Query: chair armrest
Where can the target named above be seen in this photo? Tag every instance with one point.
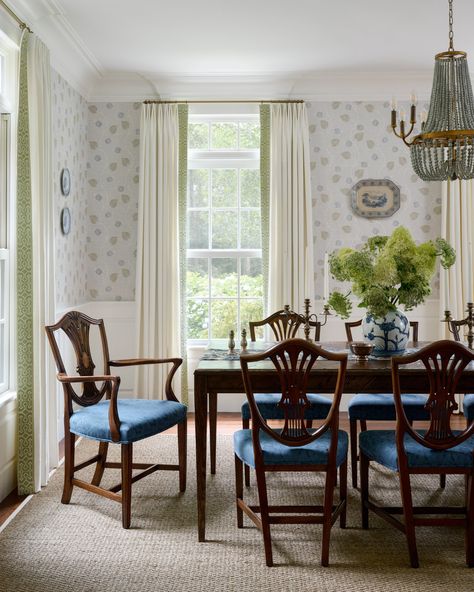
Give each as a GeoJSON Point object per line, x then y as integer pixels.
{"type": "Point", "coordinates": [114, 420]}
{"type": "Point", "coordinates": [143, 361]}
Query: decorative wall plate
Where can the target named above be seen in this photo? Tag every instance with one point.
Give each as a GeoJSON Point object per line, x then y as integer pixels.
{"type": "Point", "coordinates": [65, 182]}
{"type": "Point", "coordinates": [65, 220]}
{"type": "Point", "coordinates": [375, 198]}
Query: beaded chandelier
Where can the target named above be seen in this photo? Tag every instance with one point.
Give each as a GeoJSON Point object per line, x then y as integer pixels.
{"type": "Point", "coordinates": [445, 147]}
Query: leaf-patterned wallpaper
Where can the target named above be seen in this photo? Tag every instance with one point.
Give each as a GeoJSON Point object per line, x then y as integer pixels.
{"type": "Point", "coordinates": [113, 139]}
{"type": "Point", "coordinates": [350, 141]}
{"type": "Point", "coordinates": [70, 118]}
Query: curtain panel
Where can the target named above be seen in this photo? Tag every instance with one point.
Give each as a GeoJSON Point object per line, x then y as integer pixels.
{"type": "Point", "coordinates": [457, 222]}
{"type": "Point", "coordinates": [36, 382]}
{"type": "Point", "coordinates": [161, 246]}
{"type": "Point", "coordinates": [290, 254]}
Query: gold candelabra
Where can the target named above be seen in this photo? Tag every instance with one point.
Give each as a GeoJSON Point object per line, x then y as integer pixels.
{"type": "Point", "coordinates": [307, 317]}
{"type": "Point", "coordinates": [469, 321]}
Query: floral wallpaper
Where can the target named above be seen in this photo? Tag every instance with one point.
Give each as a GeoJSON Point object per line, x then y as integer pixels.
{"type": "Point", "coordinates": [70, 150]}
{"type": "Point", "coordinates": [350, 141]}
{"type": "Point", "coordinates": [113, 140]}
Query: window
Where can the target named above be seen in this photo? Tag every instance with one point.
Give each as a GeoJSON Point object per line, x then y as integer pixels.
{"type": "Point", "coordinates": [224, 257]}
{"type": "Point", "coordinates": [4, 254]}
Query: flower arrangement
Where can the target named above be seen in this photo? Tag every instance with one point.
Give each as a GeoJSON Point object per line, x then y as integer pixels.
{"type": "Point", "coordinates": [388, 271]}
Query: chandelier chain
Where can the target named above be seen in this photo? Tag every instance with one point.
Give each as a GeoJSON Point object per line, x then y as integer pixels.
{"type": "Point", "coordinates": [451, 34]}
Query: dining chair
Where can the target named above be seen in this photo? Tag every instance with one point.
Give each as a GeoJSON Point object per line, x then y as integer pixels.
{"type": "Point", "coordinates": [365, 407]}
{"type": "Point", "coordinates": [468, 400]}
{"type": "Point", "coordinates": [437, 450]}
{"type": "Point", "coordinates": [284, 325]}
{"type": "Point", "coordinates": [96, 413]}
{"type": "Point", "coordinates": [294, 447]}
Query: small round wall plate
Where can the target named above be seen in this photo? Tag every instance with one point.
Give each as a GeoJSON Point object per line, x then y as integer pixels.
{"type": "Point", "coordinates": [65, 182]}
{"type": "Point", "coordinates": [65, 220]}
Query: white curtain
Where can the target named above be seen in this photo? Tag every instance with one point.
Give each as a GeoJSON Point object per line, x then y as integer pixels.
{"type": "Point", "coordinates": [158, 271]}
{"type": "Point", "coordinates": [290, 265]}
{"type": "Point", "coordinates": [38, 452]}
{"type": "Point", "coordinates": [457, 222]}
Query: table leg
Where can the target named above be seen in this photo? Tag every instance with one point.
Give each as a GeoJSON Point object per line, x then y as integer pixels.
{"type": "Point", "coordinates": [213, 429]}
{"type": "Point", "coordinates": [200, 407]}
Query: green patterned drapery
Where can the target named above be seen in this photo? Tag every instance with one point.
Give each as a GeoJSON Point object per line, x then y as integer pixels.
{"type": "Point", "coordinates": [182, 196]}
{"type": "Point", "coordinates": [24, 273]}
{"type": "Point", "coordinates": [265, 116]}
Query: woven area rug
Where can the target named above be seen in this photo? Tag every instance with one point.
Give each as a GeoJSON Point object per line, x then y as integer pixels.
{"type": "Point", "coordinates": [50, 547]}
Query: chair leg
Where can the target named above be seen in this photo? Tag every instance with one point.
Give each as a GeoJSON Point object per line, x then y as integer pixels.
{"type": "Point", "coordinates": [364, 489]}
{"type": "Point", "coordinates": [213, 430]}
{"type": "Point", "coordinates": [309, 424]}
{"type": "Point", "coordinates": [263, 501]}
{"type": "Point", "coordinates": [327, 514]}
{"type": "Point", "coordinates": [470, 520]}
{"type": "Point", "coordinates": [343, 492]}
{"type": "Point", "coordinates": [182, 453]}
{"type": "Point", "coordinates": [100, 466]}
{"type": "Point", "coordinates": [239, 490]}
{"type": "Point", "coordinates": [442, 481]}
{"type": "Point", "coordinates": [246, 426]}
{"type": "Point", "coordinates": [127, 459]}
{"type": "Point", "coordinates": [407, 502]}
{"type": "Point", "coordinates": [69, 448]}
{"type": "Point", "coordinates": [353, 438]}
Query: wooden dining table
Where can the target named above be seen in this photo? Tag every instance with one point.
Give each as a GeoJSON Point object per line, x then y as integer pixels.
{"type": "Point", "coordinates": [222, 376]}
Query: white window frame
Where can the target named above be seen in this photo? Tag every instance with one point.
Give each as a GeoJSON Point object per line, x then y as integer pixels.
{"type": "Point", "coordinates": [226, 159]}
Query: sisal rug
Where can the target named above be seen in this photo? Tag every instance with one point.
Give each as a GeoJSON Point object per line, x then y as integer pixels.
{"type": "Point", "coordinates": [50, 547]}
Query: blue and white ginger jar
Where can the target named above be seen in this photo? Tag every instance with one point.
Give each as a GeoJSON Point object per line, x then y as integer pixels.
{"type": "Point", "coordinates": [389, 334]}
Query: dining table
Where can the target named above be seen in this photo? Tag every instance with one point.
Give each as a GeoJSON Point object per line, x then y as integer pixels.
{"type": "Point", "coordinates": [219, 373]}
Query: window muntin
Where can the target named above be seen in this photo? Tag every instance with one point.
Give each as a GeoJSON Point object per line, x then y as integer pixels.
{"type": "Point", "coordinates": [224, 266]}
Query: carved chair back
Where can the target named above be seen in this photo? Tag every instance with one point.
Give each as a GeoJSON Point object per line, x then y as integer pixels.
{"type": "Point", "coordinates": [455, 327]}
{"type": "Point", "coordinates": [77, 327]}
{"type": "Point", "coordinates": [444, 362]}
{"type": "Point", "coordinates": [284, 325]}
{"type": "Point", "coordinates": [293, 360]}
{"type": "Point", "coordinates": [350, 325]}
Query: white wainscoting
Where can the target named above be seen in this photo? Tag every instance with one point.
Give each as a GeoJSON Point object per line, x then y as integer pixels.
{"type": "Point", "coordinates": [8, 445]}
{"type": "Point", "coordinates": [119, 320]}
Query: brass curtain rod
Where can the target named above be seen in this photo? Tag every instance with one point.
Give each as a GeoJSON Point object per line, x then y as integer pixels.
{"type": "Point", "coordinates": [15, 17]}
{"type": "Point", "coordinates": [151, 101]}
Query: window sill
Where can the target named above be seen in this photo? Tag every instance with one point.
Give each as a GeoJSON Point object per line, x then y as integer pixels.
{"type": "Point", "coordinates": [7, 397]}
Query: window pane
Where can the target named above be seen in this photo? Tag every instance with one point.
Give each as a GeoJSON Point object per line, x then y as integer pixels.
{"type": "Point", "coordinates": [223, 136]}
{"type": "Point", "coordinates": [198, 230]}
{"type": "Point", "coordinates": [224, 229]}
{"type": "Point", "coordinates": [197, 277]}
{"type": "Point", "coordinates": [198, 319]}
{"type": "Point", "coordinates": [251, 277]}
{"type": "Point", "coordinates": [249, 135]}
{"type": "Point", "coordinates": [2, 355]}
{"type": "Point", "coordinates": [250, 188]}
{"type": "Point", "coordinates": [251, 310]}
{"type": "Point", "coordinates": [224, 188]}
{"type": "Point", "coordinates": [224, 318]}
{"type": "Point", "coordinates": [224, 277]}
{"type": "Point", "coordinates": [250, 234]}
{"type": "Point", "coordinates": [198, 136]}
{"type": "Point", "coordinates": [198, 180]}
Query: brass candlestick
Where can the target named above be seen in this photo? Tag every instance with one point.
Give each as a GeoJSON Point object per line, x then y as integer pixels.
{"type": "Point", "coordinates": [469, 321]}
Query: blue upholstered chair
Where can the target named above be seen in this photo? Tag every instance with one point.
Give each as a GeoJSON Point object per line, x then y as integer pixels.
{"type": "Point", "coordinates": [379, 407]}
{"type": "Point", "coordinates": [437, 450]}
{"type": "Point", "coordinates": [284, 325]}
{"type": "Point", "coordinates": [468, 402]}
{"type": "Point", "coordinates": [295, 447]}
{"type": "Point", "coordinates": [101, 416]}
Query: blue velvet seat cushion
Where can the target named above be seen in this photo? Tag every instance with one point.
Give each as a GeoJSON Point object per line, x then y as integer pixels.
{"type": "Point", "coordinates": [380, 446]}
{"type": "Point", "coordinates": [140, 418]}
{"type": "Point", "coordinates": [382, 407]}
{"type": "Point", "coordinates": [268, 406]}
{"type": "Point", "coordinates": [468, 407]}
{"type": "Point", "coordinates": [275, 453]}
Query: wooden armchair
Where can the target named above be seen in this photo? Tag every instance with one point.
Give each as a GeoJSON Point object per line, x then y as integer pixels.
{"type": "Point", "coordinates": [112, 420]}
{"type": "Point", "coordinates": [468, 401]}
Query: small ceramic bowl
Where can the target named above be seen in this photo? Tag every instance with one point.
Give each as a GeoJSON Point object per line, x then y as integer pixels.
{"type": "Point", "coordinates": [361, 349]}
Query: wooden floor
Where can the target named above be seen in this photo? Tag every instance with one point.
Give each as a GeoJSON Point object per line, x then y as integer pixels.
{"type": "Point", "coordinates": [227, 424]}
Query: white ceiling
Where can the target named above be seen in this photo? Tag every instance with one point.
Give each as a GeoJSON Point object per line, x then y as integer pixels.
{"type": "Point", "coordinates": [166, 46]}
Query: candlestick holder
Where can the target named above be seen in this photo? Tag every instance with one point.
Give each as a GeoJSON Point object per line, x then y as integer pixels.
{"type": "Point", "coordinates": [468, 320]}
{"type": "Point", "coordinates": [307, 317]}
